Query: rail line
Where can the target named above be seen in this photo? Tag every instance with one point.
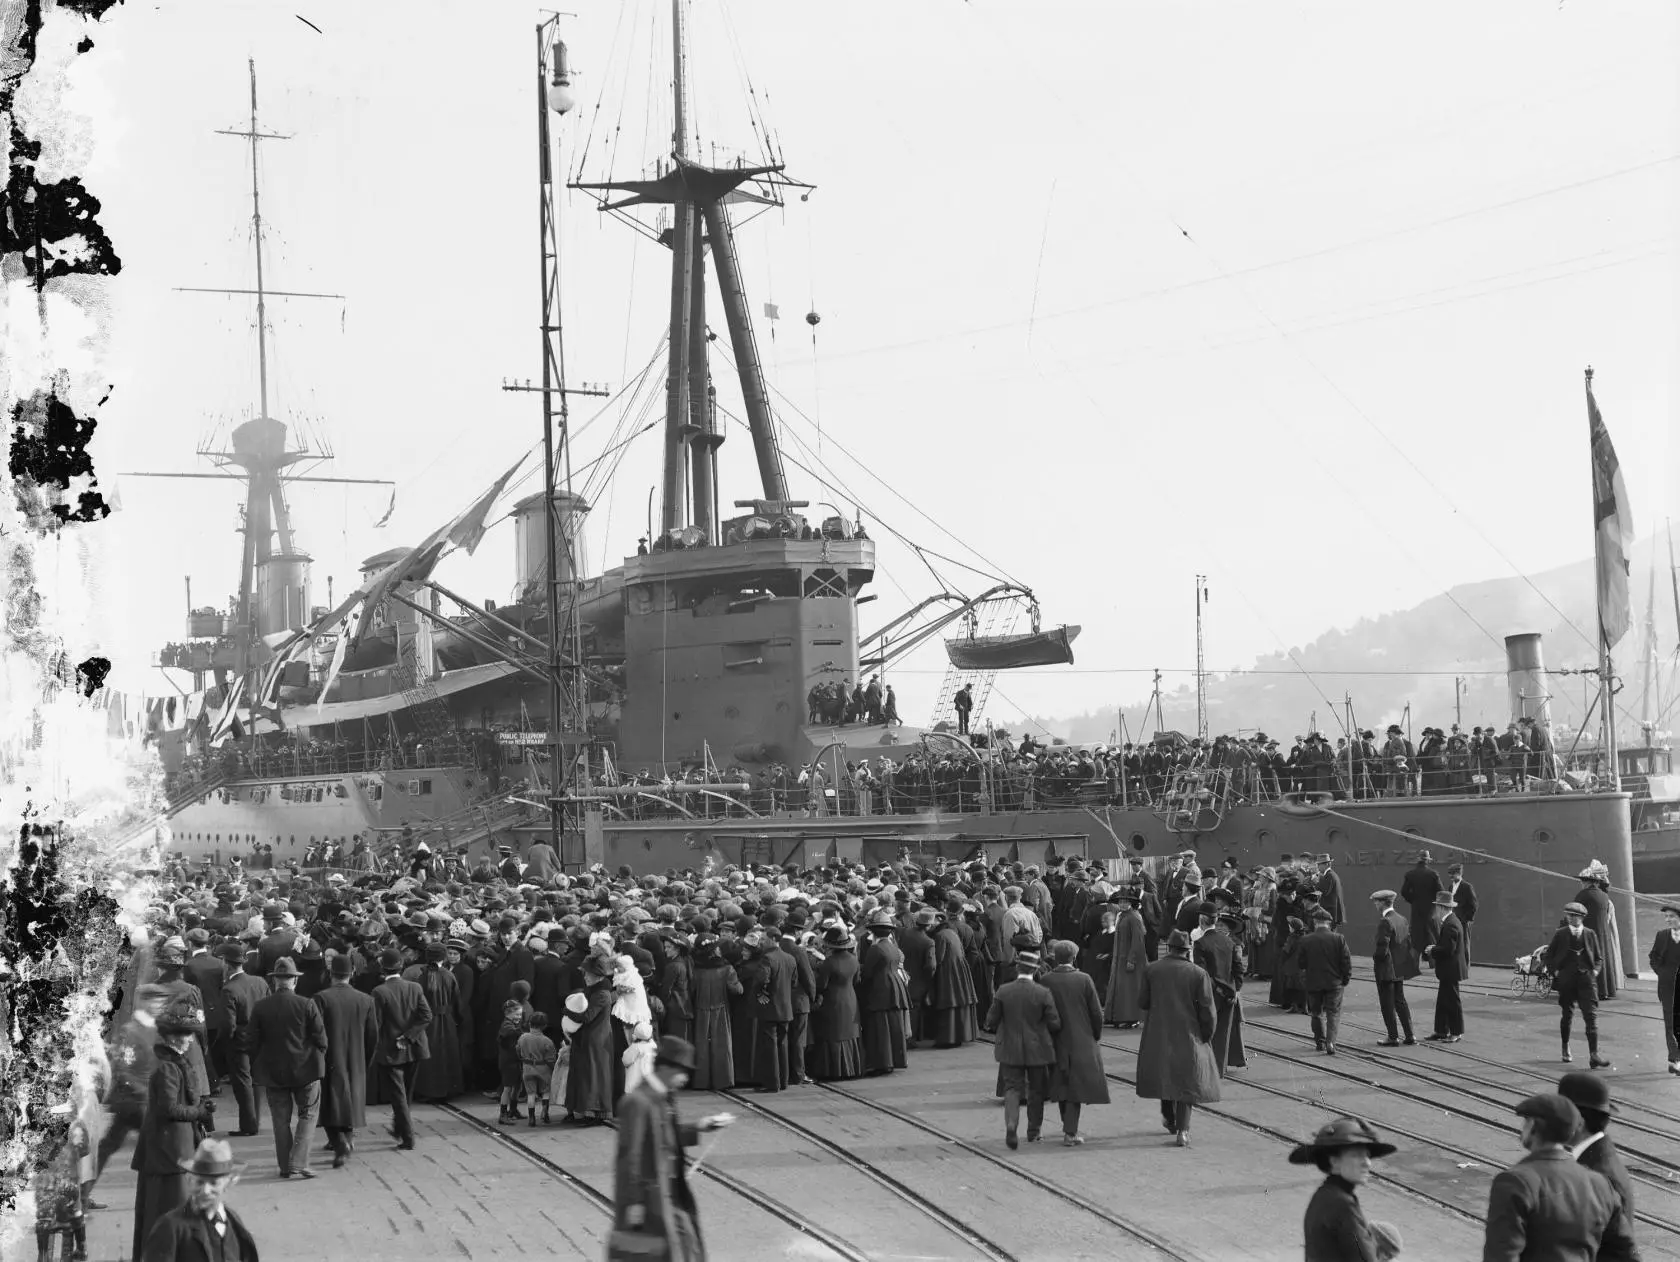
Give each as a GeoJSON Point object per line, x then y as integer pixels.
{"type": "Point", "coordinates": [1405, 1133]}
{"type": "Point", "coordinates": [1664, 1177]}
{"type": "Point", "coordinates": [1141, 1234]}
{"type": "Point", "coordinates": [1488, 990]}
{"type": "Point", "coordinates": [1412, 1069]}
{"type": "Point", "coordinates": [1457, 1051]}
{"type": "Point", "coordinates": [895, 1187]}
{"type": "Point", "coordinates": [1272, 1132]}
{"type": "Point", "coordinates": [837, 1244]}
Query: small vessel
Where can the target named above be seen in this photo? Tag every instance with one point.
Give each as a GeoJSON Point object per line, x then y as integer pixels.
{"type": "Point", "coordinates": [1012, 652]}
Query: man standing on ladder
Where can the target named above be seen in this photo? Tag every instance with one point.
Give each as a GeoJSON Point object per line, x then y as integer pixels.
{"type": "Point", "coordinates": [964, 701]}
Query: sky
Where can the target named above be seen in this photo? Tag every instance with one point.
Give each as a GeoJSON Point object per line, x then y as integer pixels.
{"type": "Point", "coordinates": [1296, 296]}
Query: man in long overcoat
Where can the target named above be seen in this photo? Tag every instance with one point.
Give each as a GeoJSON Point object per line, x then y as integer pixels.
{"type": "Point", "coordinates": [1077, 1078]}
{"type": "Point", "coordinates": [241, 993]}
{"type": "Point", "coordinates": [1175, 1056]}
{"type": "Point", "coordinates": [352, 1034]}
{"type": "Point", "coordinates": [1130, 956]}
{"type": "Point", "coordinates": [443, 1073]}
{"type": "Point", "coordinates": [1024, 1016]}
{"type": "Point", "coordinates": [652, 1201]}
{"type": "Point", "coordinates": [511, 961]}
{"type": "Point", "coordinates": [1218, 953]}
{"type": "Point", "coordinates": [1418, 890]}
{"type": "Point", "coordinates": [920, 960]}
{"type": "Point", "coordinates": [404, 1018]}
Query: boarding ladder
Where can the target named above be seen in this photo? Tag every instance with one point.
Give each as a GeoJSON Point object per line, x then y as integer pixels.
{"type": "Point", "coordinates": [1196, 799]}
{"type": "Point", "coordinates": [994, 617]}
{"type": "Point", "coordinates": [431, 716]}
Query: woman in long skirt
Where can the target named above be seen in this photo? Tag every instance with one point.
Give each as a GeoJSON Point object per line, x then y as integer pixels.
{"type": "Point", "coordinates": [1126, 965]}
{"type": "Point", "coordinates": [836, 1030]}
{"type": "Point", "coordinates": [714, 982]}
{"type": "Point", "coordinates": [951, 999]}
{"type": "Point", "coordinates": [589, 1083]}
{"type": "Point", "coordinates": [884, 1000]}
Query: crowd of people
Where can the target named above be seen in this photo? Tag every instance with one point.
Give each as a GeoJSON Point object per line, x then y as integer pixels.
{"type": "Point", "coordinates": [316, 994]}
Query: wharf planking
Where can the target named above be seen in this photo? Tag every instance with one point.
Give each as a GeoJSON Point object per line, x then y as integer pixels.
{"type": "Point", "coordinates": [914, 1166]}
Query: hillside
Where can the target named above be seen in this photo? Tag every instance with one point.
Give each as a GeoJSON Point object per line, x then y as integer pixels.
{"type": "Point", "coordinates": [1411, 657]}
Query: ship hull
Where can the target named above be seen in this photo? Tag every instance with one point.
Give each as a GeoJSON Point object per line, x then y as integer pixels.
{"type": "Point", "coordinates": [1521, 853]}
{"type": "Point", "coordinates": [1656, 860]}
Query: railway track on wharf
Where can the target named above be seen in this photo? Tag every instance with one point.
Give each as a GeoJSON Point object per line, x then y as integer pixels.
{"type": "Point", "coordinates": [893, 1186]}
{"type": "Point", "coordinates": [1142, 1235]}
{"type": "Point", "coordinates": [1456, 1051]}
{"type": "Point", "coordinates": [1492, 1164]}
{"type": "Point", "coordinates": [1493, 990]}
{"type": "Point", "coordinates": [839, 1246]}
{"type": "Point", "coordinates": [1431, 1074]}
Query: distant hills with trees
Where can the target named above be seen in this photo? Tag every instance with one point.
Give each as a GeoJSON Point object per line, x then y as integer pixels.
{"type": "Point", "coordinates": [1411, 657]}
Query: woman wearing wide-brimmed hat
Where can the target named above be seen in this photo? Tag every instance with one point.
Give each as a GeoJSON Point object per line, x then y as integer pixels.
{"type": "Point", "coordinates": [1336, 1227]}
{"type": "Point", "coordinates": [714, 981]}
{"type": "Point", "coordinates": [836, 1028]}
{"type": "Point", "coordinates": [884, 999]}
{"type": "Point", "coordinates": [176, 1118]}
{"type": "Point", "coordinates": [1601, 919]}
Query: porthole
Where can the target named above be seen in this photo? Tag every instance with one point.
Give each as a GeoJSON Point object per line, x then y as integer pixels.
{"type": "Point", "coordinates": [1264, 837]}
{"type": "Point", "coordinates": [1336, 837]}
{"type": "Point", "coordinates": [1415, 832]}
{"type": "Point", "coordinates": [1542, 835]}
{"type": "Point", "coordinates": [1139, 841]}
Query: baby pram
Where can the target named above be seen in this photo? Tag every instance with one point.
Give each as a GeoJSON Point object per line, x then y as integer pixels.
{"type": "Point", "coordinates": [1532, 974]}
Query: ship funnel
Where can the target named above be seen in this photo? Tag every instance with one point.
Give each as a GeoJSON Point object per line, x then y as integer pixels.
{"type": "Point", "coordinates": [1525, 674]}
{"type": "Point", "coordinates": [531, 553]}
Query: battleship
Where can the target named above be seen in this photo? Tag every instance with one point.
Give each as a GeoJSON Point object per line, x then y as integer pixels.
{"type": "Point", "coordinates": [660, 714]}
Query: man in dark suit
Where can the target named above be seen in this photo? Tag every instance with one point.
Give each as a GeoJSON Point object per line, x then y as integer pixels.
{"type": "Point", "coordinates": [1327, 966]}
{"type": "Point", "coordinates": [208, 972]}
{"type": "Point", "coordinates": [202, 1227]}
{"type": "Point", "coordinates": [1447, 951]}
{"type": "Point", "coordinates": [1418, 891]}
{"type": "Point", "coordinates": [404, 1017]}
{"type": "Point", "coordinates": [1464, 904]}
{"type": "Point", "coordinates": [772, 1011]}
{"type": "Point", "coordinates": [1575, 957]}
{"type": "Point", "coordinates": [277, 940]}
{"type": "Point", "coordinates": [804, 994]}
{"type": "Point", "coordinates": [241, 993]}
{"type": "Point", "coordinates": [1665, 963]}
{"type": "Point", "coordinates": [1329, 886]}
{"type": "Point", "coordinates": [1395, 963]}
{"type": "Point", "coordinates": [291, 1041]}
{"type": "Point", "coordinates": [1024, 1016]}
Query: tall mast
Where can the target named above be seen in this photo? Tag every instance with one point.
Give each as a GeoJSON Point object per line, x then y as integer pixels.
{"type": "Point", "coordinates": [1201, 679]}
{"type": "Point", "coordinates": [1647, 724]}
{"type": "Point", "coordinates": [257, 236]}
{"type": "Point", "coordinates": [674, 512]}
{"type": "Point", "coordinates": [1606, 668]}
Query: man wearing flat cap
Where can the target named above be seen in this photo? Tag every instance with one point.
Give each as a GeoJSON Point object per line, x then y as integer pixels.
{"type": "Point", "coordinates": [1335, 1225]}
{"type": "Point", "coordinates": [203, 1228]}
{"type": "Point", "coordinates": [1327, 967]}
{"type": "Point", "coordinates": [652, 1201]}
{"type": "Point", "coordinates": [1548, 1205]}
{"type": "Point", "coordinates": [1575, 958]}
{"type": "Point", "coordinates": [1665, 963]}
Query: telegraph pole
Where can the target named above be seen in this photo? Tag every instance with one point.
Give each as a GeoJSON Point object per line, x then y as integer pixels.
{"type": "Point", "coordinates": [1201, 678]}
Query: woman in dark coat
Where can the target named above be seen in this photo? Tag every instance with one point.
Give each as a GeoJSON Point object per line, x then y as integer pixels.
{"type": "Point", "coordinates": [742, 1030]}
{"type": "Point", "coordinates": [1175, 1056]}
{"type": "Point", "coordinates": [1129, 957]}
{"type": "Point", "coordinates": [443, 1074]}
{"type": "Point", "coordinates": [1335, 1226]}
{"type": "Point", "coordinates": [951, 997]}
{"type": "Point", "coordinates": [884, 999]}
{"type": "Point", "coordinates": [1077, 1078]}
{"type": "Point", "coordinates": [589, 1084]}
{"type": "Point", "coordinates": [1289, 983]}
{"type": "Point", "coordinates": [714, 982]}
{"type": "Point", "coordinates": [1601, 919]}
{"type": "Point", "coordinates": [676, 989]}
{"type": "Point", "coordinates": [836, 1030]}
{"type": "Point", "coordinates": [176, 1118]}
{"type": "Point", "coordinates": [982, 962]}
{"type": "Point", "coordinates": [921, 961]}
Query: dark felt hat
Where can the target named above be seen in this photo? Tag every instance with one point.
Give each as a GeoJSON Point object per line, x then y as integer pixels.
{"type": "Point", "coordinates": [675, 1050]}
{"type": "Point", "coordinates": [1587, 1092]}
{"type": "Point", "coordinates": [1344, 1132]}
{"type": "Point", "coordinates": [285, 966]}
{"type": "Point", "coordinates": [341, 966]}
{"type": "Point", "coordinates": [1179, 942]}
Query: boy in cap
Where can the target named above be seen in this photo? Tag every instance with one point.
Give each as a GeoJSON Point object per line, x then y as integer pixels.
{"type": "Point", "coordinates": [1335, 1226]}
{"type": "Point", "coordinates": [1575, 958]}
{"type": "Point", "coordinates": [1548, 1198]}
{"type": "Point", "coordinates": [537, 1058]}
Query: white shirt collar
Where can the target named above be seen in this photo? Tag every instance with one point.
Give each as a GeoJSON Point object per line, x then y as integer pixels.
{"type": "Point", "coordinates": [1585, 1144]}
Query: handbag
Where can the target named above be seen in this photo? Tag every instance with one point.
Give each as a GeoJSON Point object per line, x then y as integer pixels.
{"type": "Point", "coordinates": [636, 1246]}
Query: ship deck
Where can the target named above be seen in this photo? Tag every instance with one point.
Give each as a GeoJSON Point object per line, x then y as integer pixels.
{"type": "Point", "coordinates": [914, 1165]}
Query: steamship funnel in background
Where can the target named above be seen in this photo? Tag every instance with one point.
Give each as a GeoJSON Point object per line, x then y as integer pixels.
{"type": "Point", "coordinates": [1525, 674]}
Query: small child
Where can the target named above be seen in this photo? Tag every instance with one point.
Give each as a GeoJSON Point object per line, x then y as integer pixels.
{"type": "Point", "coordinates": [515, 1021]}
{"type": "Point", "coordinates": [58, 1197]}
{"type": "Point", "coordinates": [537, 1057]}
